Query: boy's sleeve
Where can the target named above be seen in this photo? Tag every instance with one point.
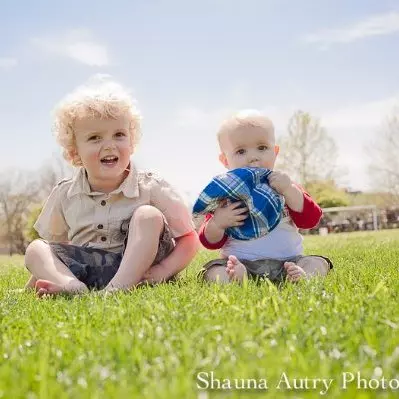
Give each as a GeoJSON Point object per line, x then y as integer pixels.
{"type": "Point", "coordinates": [310, 215]}
{"type": "Point", "coordinates": [51, 224]}
{"type": "Point", "coordinates": [202, 237]}
{"type": "Point", "coordinates": [167, 199]}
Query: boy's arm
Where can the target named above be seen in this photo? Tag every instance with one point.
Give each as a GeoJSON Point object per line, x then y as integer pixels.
{"type": "Point", "coordinates": [184, 251]}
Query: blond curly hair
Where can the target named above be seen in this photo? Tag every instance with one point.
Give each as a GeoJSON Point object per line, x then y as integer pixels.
{"type": "Point", "coordinates": [100, 97]}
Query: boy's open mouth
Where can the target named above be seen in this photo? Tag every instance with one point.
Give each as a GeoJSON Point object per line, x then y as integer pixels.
{"type": "Point", "coordinates": [109, 160]}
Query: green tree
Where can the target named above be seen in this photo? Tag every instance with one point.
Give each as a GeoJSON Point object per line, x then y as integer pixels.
{"type": "Point", "coordinates": [327, 194]}
{"type": "Point", "coordinates": [30, 233]}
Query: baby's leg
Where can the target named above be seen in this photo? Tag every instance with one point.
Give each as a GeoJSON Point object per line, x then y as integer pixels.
{"type": "Point", "coordinates": [49, 271]}
{"type": "Point", "coordinates": [217, 274]}
{"type": "Point", "coordinates": [235, 269]}
{"type": "Point", "coordinates": [306, 267]}
{"type": "Point", "coordinates": [145, 229]}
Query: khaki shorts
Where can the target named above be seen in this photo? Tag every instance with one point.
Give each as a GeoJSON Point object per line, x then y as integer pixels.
{"type": "Point", "coordinates": [96, 267]}
{"type": "Point", "coordinates": [272, 269]}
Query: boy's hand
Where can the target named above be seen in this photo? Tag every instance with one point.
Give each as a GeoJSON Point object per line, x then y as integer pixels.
{"type": "Point", "coordinates": [280, 181]}
{"type": "Point", "coordinates": [230, 215]}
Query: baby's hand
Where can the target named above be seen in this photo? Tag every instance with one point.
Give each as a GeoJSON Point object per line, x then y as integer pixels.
{"type": "Point", "coordinates": [231, 215]}
{"type": "Point", "coordinates": [280, 181]}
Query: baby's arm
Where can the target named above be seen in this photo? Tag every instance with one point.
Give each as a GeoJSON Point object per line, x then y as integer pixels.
{"type": "Point", "coordinates": [212, 232]}
{"type": "Point", "coordinates": [303, 210]}
{"type": "Point", "coordinates": [310, 215]}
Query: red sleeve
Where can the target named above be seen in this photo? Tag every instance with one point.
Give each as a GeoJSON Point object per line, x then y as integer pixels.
{"type": "Point", "coordinates": [204, 241]}
{"type": "Point", "coordinates": [310, 215]}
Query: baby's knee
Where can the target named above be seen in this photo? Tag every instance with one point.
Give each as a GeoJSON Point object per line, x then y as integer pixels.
{"type": "Point", "coordinates": [315, 265]}
{"type": "Point", "coordinates": [147, 214]}
{"type": "Point", "coordinates": [216, 274]}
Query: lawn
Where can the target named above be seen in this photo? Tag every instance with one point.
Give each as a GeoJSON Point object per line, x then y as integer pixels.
{"type": "Point", "coordinates": [166, 342]}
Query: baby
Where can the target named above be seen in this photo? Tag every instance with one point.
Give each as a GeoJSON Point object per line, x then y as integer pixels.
{"type": "Point", "coordinates": [247, 140]}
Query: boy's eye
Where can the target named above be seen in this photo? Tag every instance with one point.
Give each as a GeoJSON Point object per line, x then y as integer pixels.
{"type": "Point", "coordinates": [120, 134]}
{"type": "Point", "coordinates": [240, 152]}
{"type": "Point", "coordinates": [262, 148]}
{"type": "Point", "coordinates": [94, 137]}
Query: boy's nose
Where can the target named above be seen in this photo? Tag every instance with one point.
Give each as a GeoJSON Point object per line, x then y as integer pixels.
{"type": "Point", "coordinates": [110, 145]}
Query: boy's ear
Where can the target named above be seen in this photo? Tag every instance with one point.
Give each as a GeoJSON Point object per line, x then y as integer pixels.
{"type": "Point", "coordinates": [276, 149]}
{"type": "Point", "coordinates": [223, 160]}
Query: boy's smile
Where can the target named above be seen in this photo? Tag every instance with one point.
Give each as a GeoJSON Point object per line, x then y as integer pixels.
{"type": "Point", "coordinates": [104, 147]}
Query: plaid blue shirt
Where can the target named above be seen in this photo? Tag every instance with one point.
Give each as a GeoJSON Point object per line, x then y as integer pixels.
{"type": "Point", "coordinates": [249, 185]}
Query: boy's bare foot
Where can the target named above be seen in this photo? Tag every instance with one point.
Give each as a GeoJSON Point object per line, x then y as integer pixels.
{"type": "Point", "coordinates": [45, 287]}
{"type": "Point", "coordinates": [294, 272]}
{"type": "Point", "coordinates": [235, 269]}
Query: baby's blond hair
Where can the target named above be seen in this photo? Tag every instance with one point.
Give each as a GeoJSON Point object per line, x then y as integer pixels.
{"type": "Point", "coordinates": [99, 98]}
{"type": "Point", "coordinates": [242, 119]}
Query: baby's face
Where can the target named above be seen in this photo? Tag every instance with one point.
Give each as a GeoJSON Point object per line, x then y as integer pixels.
{"type": "Point", "coordinates": [248, 146]}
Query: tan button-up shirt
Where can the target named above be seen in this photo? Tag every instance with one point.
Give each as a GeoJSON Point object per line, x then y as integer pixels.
{"type": "Point", "coordinates": [83, 217]}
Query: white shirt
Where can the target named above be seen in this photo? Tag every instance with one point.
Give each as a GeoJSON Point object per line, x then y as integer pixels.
{"type": "Point", "coordinates": [281, 243]}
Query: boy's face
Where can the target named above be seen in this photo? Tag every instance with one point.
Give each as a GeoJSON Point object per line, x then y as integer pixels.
{"type": "Point", "coordinates": [104, 147]}
{"type": "Point", "coordinates": [248, 146]}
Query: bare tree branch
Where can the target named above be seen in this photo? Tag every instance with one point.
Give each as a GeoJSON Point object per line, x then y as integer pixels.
{"type": "Point", "coordinates": [308, 153]}
{"type": "Point", "coordinates": [383, 152]}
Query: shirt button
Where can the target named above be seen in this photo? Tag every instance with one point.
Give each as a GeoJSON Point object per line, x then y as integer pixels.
{"type": "Point", "coordinates": [100, 226]}
{"type": "Point", "coordinates": [103, 238]}
{"type": "Point", "coordinates": [103, 203]}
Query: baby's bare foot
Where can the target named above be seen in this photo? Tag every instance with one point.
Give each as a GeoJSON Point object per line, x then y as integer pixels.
{"type": "Point", "coordinates": [235, 269]}
{"type": "Point", "coordinates": [294, 272]}
{"type": "Point", "coordinates": [45, 287]}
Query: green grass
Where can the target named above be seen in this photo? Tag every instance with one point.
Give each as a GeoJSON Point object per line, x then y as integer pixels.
{"type": "Point", "coordinates": [153, 341]}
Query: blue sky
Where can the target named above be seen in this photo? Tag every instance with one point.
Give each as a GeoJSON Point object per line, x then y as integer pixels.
{"type": "Point", "coordinates": [191, 63]}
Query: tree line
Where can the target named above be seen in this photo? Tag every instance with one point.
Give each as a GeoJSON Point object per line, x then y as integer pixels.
{"type": "Point", "coordinates": [310, 157]}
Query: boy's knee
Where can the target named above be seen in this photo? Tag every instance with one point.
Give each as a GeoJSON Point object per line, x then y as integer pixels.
{"type": "Point", "coordinates": [148, 214]}
{"type": "Point", "coordinates": [32, 250]}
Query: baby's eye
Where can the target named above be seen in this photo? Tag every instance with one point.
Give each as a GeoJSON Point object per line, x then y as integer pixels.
{"type": "Point", "coordinates": [95, 137]}
{"type": "Point", "coordinates": [120, 134]}
{"type": "Point", "coordinates": [240, 152]}
{"type": "Point", "coordinates": [262, 148]}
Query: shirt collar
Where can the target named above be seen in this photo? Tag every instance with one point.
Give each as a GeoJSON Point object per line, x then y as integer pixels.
{"type": "Point", "coordinates": [129, 187]}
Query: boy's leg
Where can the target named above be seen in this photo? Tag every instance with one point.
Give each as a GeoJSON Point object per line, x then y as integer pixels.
{"type": "Point", "coordinates": [31, 282]}
{"type": "Point", "coordinates": [306, 267]}
{"type": "Point", "coordinates": [51, 274]}
{"type": "Point", "coordinates": [145, 229]}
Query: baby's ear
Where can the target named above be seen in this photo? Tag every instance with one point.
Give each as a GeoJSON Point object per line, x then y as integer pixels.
{"type": "Point", "coordinates": [276, 149]}
{"type": "Point", "coordinates": [223, 160]}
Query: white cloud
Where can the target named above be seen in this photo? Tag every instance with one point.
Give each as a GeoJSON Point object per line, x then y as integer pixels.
{"type": "Point", "coordinates": [78, 44]}
{"type": "Point", "coordinates": [7, 62]}
{"type": "Point", "coordinates": [375, 25]}
{"type": "Point", "coordinates": [370, 115]}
